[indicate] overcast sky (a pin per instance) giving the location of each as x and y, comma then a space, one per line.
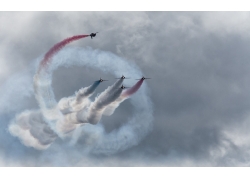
199, 65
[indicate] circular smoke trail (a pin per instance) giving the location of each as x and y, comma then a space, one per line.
42, 85
97, 140
138, 125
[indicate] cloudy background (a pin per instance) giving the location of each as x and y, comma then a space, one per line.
199, 65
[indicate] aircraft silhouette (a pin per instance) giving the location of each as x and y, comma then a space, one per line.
123, 77
101, 80
123, 87
93, 35
143, 78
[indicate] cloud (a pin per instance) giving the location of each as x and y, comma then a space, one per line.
226, 23
198, 62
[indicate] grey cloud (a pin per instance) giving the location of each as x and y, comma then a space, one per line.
198, 62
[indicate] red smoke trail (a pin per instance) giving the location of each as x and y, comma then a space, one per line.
133, 89
56, 48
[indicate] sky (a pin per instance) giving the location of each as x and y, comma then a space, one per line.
198, 94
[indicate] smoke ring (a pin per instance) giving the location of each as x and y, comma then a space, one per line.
139, 124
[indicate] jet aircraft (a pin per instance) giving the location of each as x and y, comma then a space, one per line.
101, 80
93, 35
123, 87
143, 78
123, 77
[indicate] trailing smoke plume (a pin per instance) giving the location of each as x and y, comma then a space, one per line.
39, 128
97, 107
79, 101
32, 130
57, 47
109, 110
79, 109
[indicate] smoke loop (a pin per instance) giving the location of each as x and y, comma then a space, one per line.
97, 140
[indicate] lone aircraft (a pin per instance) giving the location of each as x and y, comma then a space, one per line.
93, 35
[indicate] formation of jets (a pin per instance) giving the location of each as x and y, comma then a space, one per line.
123, 77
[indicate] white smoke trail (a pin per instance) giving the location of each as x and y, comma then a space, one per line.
79, 101
98, 140
33, 131
45, 97
72, 106
96, 108
110, 109
79, 109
